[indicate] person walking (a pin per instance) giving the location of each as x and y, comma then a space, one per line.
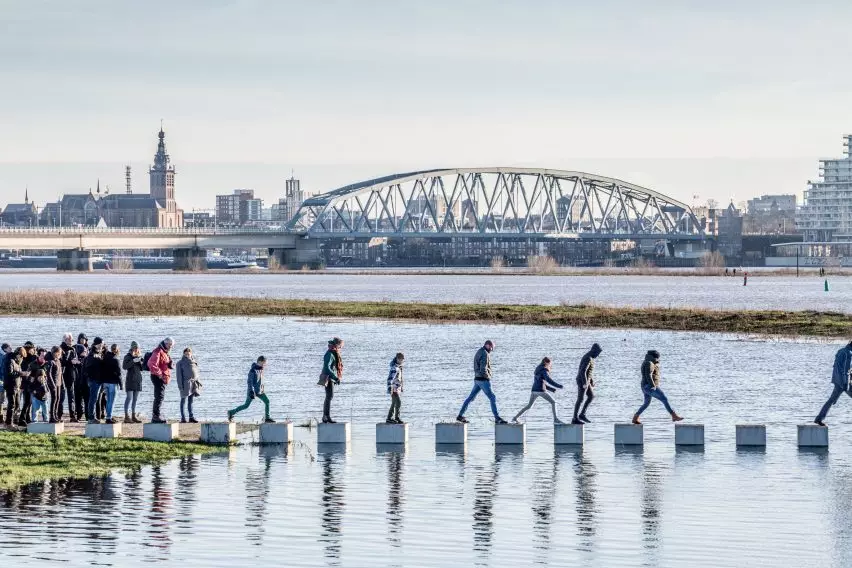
841, 378
482, 382
55, 384
651, 386
188, 383
543, 385
93, 369
395, 384
13, 376
81, 384
111, 380
38, 395
585, 384
255, 388
132, 363
331, 375
160, 365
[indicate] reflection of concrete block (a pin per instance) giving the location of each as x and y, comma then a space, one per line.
391, 433
751, 435
568, 434
451, 433
811, 435
219, 433
689, 434
103, 430
510, 433
276, 433
161, 432
45, 428
629, 435
339, 433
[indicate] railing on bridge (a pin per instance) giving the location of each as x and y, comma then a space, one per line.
143, 230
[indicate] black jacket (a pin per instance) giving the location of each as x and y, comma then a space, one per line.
93, 367
35, 365
69, 369
110, 370
54, 372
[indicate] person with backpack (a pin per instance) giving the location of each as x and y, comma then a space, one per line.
81, 384
651, 386
395, 385
482, 382
133, 364
54, 383
160, 366
93, 369
255, 388
841, 378
331, 375
585, 384
542, 386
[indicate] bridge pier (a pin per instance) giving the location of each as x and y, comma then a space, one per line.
189, 259
73, 260
306, 253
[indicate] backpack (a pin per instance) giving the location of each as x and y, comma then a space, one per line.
145, 359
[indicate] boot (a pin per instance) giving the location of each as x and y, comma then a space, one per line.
676, 418
636, 419
127, 419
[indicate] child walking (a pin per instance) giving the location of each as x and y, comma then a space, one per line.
395, 388
255, 389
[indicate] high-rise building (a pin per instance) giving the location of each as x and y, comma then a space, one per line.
238, 208
827, 210
162, 174
290, 203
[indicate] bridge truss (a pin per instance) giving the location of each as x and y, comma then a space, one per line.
496, 202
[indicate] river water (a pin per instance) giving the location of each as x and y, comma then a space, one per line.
762, 292
369, 506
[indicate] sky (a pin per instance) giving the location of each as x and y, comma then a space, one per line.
724, 100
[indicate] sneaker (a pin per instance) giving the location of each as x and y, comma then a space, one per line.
109, 421
230, 417
636, 420
515, 421
584, 419
577, 421
268, 420
193, 421
390, 421
676, 417
557, 421
93, 422
158, 421
398, 421
183, 420
819, 422
461, 419
499, 420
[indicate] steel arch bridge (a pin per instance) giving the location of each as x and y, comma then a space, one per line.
495, 202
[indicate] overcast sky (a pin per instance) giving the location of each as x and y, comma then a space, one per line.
720, 100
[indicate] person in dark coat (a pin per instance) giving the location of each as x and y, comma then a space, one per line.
55, 383
13, 376
110, 380
255, 388
133, 382
93, 370
39, 395
841, 379
81, 383
37, 362
543, 385
651, 386
331, 375
69, 363
585, 384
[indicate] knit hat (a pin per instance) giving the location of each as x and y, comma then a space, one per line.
134, 345
97, 341
334, 342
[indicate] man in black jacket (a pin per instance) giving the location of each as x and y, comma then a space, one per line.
69, 362
585, 384
93, 370
81, 385
37, 360
12, 377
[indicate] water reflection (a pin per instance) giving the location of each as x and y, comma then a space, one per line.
157, 525
545, 482
395, 462
257, 493
652, 475
187, 483
585, 474
332, 461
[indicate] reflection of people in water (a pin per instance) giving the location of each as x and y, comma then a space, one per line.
257, 491
484, 491
158, 519
542, 508
332, 507
651, 483
395, 498
186, 484
586, 475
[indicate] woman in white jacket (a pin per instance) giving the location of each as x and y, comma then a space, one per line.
188, 383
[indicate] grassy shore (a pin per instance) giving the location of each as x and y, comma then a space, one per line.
26, 458
826, 324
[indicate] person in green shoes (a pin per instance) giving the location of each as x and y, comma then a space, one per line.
255, 389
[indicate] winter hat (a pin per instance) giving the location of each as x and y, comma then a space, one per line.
134, 345
97, 341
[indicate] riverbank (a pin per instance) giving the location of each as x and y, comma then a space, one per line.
27, 458
769, 322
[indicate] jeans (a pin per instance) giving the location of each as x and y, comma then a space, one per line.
38, 405
247, 403
535, 395
483, 385
130, 401
326, 405
110, 389
832, 400
186, 401
583, 391
159, 395
654, 393
94, 391
396, 403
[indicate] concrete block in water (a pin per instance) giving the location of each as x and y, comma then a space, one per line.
813, 436
568, 434
103, 430
450, 433
161, 432
338, 433
391, 433
45, 428
510, 434
276, 433
751, 435
219, 432
629, 435
689, 434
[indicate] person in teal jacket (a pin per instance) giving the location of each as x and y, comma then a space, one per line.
331, 374
254, 389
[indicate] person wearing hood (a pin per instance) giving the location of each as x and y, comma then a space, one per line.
81, 384
651, 386
841, 378
542, 386
254, 389
189, 384
110, 380
13, 376
93, 369
160, 365
395, 385
37, 358
585, 384
39, 395
55, 383
67, 360
132, 363
331, 375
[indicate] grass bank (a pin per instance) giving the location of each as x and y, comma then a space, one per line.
826, 324
27, 458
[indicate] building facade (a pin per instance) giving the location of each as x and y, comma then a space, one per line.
827, 210
238, 208
772, 204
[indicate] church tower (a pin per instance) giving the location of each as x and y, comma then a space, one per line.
162, 173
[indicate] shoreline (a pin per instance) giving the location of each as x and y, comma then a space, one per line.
763, 322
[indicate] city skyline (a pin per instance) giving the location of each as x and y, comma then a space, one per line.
726, 102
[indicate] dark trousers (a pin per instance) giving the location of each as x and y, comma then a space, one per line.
57, 397
832, 400
396, 403
13, 404
26, 407
68, 386
326, 405
81, 397
159, 395
583, 392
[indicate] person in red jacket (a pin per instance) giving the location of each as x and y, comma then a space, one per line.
160, 365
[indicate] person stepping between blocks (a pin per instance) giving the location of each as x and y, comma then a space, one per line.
254, 389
